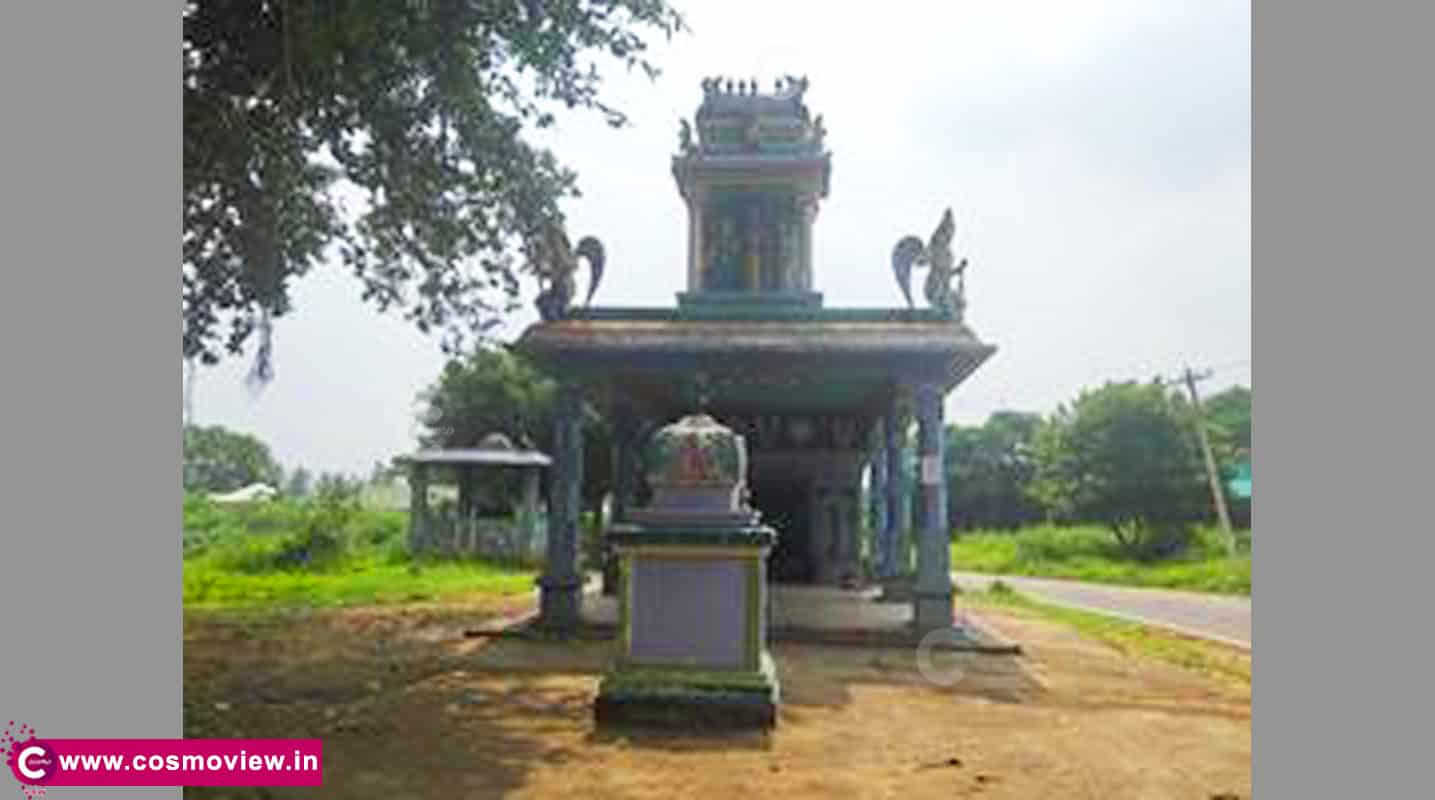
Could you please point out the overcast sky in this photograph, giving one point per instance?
(1096, 156)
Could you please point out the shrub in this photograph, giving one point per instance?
(1146, 539)
(1124, 456)
(286, 534)
(1088, 553)
(1063, 544)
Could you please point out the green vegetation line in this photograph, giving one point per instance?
(1131, 638)
(1089, 553)
(322, 554)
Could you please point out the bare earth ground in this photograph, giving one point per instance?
(409, 708)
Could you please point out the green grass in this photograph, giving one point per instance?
(1131, 638)
(207, 586)
(1090, 554)
(321, 554)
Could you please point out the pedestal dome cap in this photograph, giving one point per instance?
(697, 451)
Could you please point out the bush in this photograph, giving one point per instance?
(1089, 553)
(202, 522)
(1145, 539)
(287, 534)
(321, 553)
(1124, 455)
(1063, 544)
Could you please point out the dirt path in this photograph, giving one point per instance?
(408, 708)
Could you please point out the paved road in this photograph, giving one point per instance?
(1221, 617)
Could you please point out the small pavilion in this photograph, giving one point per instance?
(821, 394)
(431, 528)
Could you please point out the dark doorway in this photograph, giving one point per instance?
(786, 506)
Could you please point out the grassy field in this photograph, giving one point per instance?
(321, 554)
(1091, 554)
(1132, 638)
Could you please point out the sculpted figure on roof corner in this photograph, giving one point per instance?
(554, 261)
(685, 139)
(936, 255)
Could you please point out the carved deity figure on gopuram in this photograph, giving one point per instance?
(752, 256)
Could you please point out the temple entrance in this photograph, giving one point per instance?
(786, 505)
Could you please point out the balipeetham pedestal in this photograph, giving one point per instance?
(692, 595)
(693, 629)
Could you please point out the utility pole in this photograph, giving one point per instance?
(1190, 378)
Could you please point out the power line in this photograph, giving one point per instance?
(1179, 377)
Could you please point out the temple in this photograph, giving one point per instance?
(822, 395)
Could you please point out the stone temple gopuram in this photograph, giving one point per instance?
(820, 394)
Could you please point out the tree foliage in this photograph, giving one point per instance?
(1228, 422)
(337, 487)
(300, 483)
(1124, 455)
(421, 108)
(1228, 417)
(220, 460)
(496, 390)
(988, 468)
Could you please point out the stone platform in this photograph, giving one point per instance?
(690, 699)
(816, 615)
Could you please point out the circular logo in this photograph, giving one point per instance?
(34, 762)
(941, 676)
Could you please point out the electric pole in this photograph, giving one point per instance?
(1217, 494)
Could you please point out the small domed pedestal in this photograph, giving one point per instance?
(693, 592)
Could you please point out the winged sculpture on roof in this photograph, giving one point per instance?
(553, 259)
(936, 256)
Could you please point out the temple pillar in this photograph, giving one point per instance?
(932, 599)
(560, 602)
(851, 534)
(529, 511)
(696, 222)
(821, 530)
(752, 260)
(877, 500)
(467, 490)
(899, 505)
(807, 212)
(418, 507)
(625, 461)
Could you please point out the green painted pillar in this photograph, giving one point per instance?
(625, 464)
(899, 503)
(528, 532)
(625, 460)
(933, 595)
(467, 490)
(560, 601)
(418, 508)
